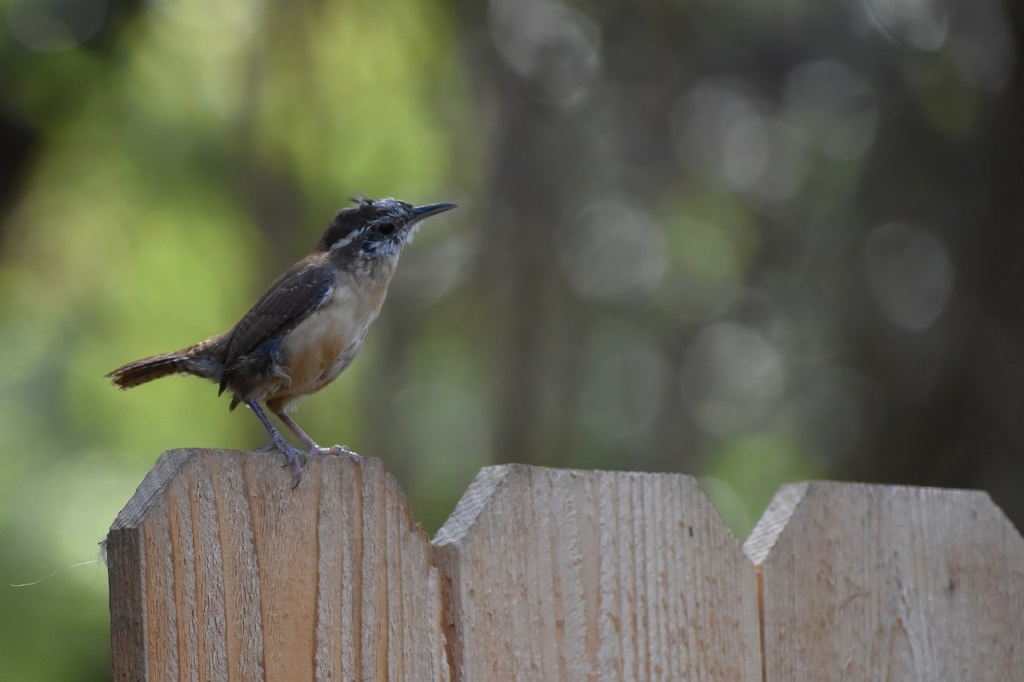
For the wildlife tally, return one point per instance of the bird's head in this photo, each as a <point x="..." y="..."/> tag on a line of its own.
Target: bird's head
<point x="374" y="229"/>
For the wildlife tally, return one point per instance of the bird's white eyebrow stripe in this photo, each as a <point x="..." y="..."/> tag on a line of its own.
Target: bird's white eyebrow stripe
<point x="341" y="243"/>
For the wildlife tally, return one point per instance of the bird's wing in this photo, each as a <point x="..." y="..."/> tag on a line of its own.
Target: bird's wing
<point x="290" y="299"/>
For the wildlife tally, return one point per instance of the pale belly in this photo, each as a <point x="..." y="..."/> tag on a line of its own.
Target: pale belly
<point x="323" y="345"/>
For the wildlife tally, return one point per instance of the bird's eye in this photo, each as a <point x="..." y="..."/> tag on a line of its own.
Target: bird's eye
<point x="386" y="229"/>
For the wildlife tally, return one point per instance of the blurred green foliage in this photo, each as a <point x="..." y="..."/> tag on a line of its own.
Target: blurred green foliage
<point x="747" y="244"/>
<point x="130" y="235"/>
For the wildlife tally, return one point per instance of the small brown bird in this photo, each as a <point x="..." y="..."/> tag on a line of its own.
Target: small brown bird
<point x="308" y="326"/>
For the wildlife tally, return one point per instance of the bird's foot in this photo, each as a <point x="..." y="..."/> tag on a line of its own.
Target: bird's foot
<point x="337" y="451"/>
<point x="293" y="457"/>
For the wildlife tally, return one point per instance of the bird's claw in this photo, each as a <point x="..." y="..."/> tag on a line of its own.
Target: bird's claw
<point x="294" y="458"/>
<point x="341" y="451"/>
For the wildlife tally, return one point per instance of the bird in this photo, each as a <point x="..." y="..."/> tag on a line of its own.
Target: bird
<point x="308" y="326"/>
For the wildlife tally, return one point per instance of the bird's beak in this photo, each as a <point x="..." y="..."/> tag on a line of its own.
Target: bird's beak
<point x="421" y="212"/>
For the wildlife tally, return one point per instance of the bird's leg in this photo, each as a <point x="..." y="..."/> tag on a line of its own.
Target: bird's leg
<point x="291" y="453"/>
<point x="311" y="445"/>
<point x="303" y="436"/>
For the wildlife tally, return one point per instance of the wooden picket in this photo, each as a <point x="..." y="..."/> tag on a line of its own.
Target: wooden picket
<point x="219" y="570"/>
<point x="872" y="582"/>
<point x="572" y="575"/>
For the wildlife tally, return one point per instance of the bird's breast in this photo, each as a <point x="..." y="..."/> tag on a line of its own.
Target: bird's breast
<point x="319" y="348"/>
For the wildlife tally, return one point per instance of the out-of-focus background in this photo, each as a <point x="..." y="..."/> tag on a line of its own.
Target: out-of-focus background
<point x="756" y="242"/>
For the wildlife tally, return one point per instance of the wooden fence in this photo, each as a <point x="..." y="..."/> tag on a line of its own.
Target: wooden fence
<point x="219" y="570"/>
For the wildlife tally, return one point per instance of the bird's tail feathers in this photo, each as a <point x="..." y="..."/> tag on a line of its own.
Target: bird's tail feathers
<point x="199" y="360"/>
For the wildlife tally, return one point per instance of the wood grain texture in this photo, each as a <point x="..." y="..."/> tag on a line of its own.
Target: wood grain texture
<point x="553" y="574"/>
<point x="865" y="582"/>
<point x="219" y="570"/>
